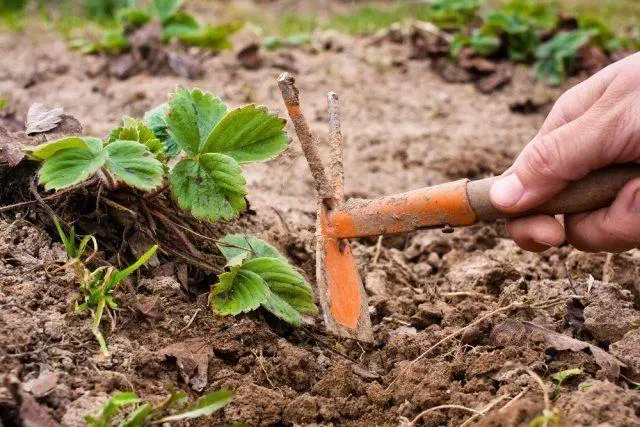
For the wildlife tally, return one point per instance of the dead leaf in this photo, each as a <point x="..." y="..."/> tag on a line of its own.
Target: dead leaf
<point x="249" y="56"/>
<point x="10" y="152"/>
<point x="192" y="358"/>
<point x="575" y="314"/>
<point x="502" y="76"/>
<point x="609" y="364"/>
<point x="42" y="385"/>
<point x="185" y="65"/>
<point x="150" y="308"/>
<point x="40" y="119"/>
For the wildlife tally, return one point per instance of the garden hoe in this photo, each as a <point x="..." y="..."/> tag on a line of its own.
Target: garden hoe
<point x="454" y="204"/>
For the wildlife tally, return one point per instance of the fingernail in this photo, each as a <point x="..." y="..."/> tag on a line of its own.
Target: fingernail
<point x="548" y="245"/>
<point x="507" y="191"/>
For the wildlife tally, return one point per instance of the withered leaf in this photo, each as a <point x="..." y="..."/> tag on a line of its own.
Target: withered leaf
<point x="40" y="119"/>
<point x="609" y="364"/>
<point x="575" y="314"/>
<point x="192" y="358"/>
<point x="10" y="152"/>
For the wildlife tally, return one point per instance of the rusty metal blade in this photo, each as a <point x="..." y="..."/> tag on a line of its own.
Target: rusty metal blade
<point x="342" y="296"/>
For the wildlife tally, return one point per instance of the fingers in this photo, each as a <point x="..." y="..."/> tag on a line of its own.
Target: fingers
<point x="612" y="229"/>
<point x="609" y="132"/>
<point x="536" y="233"/>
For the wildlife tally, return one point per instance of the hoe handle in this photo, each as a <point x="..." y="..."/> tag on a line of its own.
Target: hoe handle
<point x="465" y="202"/>
<point x="596" y="190"/>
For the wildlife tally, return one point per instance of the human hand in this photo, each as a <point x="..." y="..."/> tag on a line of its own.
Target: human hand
<point x="592" y="125"/>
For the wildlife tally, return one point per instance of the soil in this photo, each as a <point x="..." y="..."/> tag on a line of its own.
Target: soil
<point x="404" y="128"/>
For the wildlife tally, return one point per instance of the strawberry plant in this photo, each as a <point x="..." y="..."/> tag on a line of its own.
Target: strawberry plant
<point x="556" y="57"/>
<point x="208" y="181"/>
<point x="258" y="275"/>
<point x="176" y="24"/>
<point x="212" y="140"/>
<point x="129" y="408"/>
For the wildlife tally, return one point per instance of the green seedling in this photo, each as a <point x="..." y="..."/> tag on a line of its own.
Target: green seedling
<point x="547" y="418"/>
<point x="128" y="407"/>
<point x="75" y="250"/>
<point x="97" y="287"/>
<point x="562" y="376"/>
<point x="452" y="14"/>
<point x="176" y="24"/>
<point x="258" y="275"/>
<point x="555" y="58"/>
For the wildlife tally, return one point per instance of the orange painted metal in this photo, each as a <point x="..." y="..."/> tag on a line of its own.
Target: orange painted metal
<point x="343" y="281"/>
<point x="440" y="205"/>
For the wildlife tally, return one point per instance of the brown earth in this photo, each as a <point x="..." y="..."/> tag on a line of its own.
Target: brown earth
<point x="404" y="128"/>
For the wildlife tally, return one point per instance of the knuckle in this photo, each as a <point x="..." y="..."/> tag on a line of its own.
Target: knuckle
<point x="544" y="156"/>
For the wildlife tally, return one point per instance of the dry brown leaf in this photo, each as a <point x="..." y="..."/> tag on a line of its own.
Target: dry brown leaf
<point x="192" y="358"/>
<point x="609" y="364"/>
<point x="10" y="152"/>
<point x="40" y="119"/>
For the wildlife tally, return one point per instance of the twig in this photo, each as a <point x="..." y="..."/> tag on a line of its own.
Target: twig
<point x="336" y="165"/>
<point x="515" y="399"/>
<point x="49" y="197"/>
<point x="376" y="255"/>
<point x="19" y="307"/>
<point x="568" y="273"/>
<point x="607" y="269"/>
<point x="190" y="321"/>
<point x="545" y="393"/>
<point x="308" y="142"/>
<point x="435" y="408"/>
<point x="484" y="410"/>
<point x="453" y="335"/>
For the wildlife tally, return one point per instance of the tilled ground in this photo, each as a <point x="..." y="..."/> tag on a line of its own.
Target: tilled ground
<point x="404" y="128"/>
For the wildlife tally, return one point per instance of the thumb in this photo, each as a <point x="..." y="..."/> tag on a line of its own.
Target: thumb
<point x="548" y="164"/>
<point x="612" y="229"/>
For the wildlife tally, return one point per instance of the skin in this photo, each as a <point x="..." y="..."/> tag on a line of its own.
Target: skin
<point x="592" y="125"/>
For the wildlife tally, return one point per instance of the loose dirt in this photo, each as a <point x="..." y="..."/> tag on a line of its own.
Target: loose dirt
<point x="403" y="127"/>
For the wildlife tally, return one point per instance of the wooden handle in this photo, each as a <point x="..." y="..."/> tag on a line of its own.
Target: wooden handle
<point x="596" y="190"/>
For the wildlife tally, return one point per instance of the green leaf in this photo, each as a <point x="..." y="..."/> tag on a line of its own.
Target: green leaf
<point x="138" y="417"/>
<point x="70" y="166"/>
<point x="180" y="25"/>
<point x="281" y="309"/>
<point x="214" y="38"/>
<point x="134" y="17"/>
<point x="119" y="400"/>
<point x="238" y="248"/>
<point x="286" y="283"/>
<point x="44" y="151"/>
<point x="137" y="130"/>
<point x="192" y="115"/>
<point x="459" y="42"/>
<point x="248" y="134"/>
<point x="484" y="44"/>
<point x="164" y="9"/>
<point x="156" y="119"/>
<point x="132" y="163"/>
<point x="238" y="292"/>
<point x="119" y="276"/>
<point x="556" y="57"/>
<point x="114" y="41"/>
<point x="206" y="405"/>
<point x="213" y="188"/>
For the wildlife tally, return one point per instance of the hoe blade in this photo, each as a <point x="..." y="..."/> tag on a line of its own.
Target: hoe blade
<point x="342" y="296"/>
